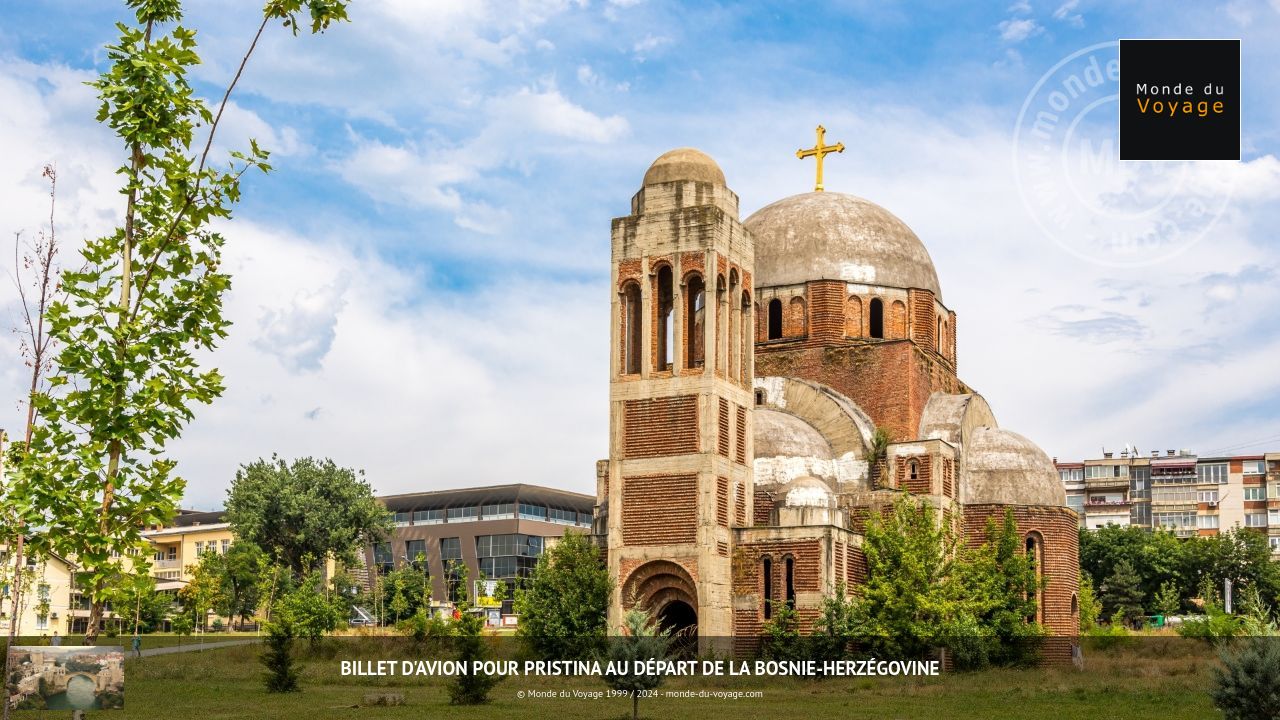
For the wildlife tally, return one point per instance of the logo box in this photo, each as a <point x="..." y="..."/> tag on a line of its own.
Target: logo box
<point x="1180" y="99"/>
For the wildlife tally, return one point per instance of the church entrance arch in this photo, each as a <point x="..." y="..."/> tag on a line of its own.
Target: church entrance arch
<point x="667" y="592"/>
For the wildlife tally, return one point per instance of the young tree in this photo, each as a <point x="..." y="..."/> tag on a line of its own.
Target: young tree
<point x="1167" y="600"/>
<point x="302" y="512"/>
<point x="641" y="641"/>
<point x="911" y="594"/>
<point x="782" y="639"/>
<point x="1246" y="681"/>
<point x="563" y="606"/>
<point x="35" y="275"/>
<point x="836" y="627"/>
<point x="136" y="601"/>
<point x="311" y="612"/>
<point x="1122" y="593"/>
<point x="146" y="302"/>
<point x="471" y="687"/>
<point x="282" y="672"/>
<point x="999" y="587"/>
<point x="1088" y="603"/>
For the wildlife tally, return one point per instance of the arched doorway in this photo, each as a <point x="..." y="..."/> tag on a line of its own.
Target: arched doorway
<point x="666" y="591"/>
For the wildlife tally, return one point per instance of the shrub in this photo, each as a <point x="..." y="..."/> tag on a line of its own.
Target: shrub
<point x="471" y="688"/>
<point x="282" y="672"/>
<point x="1247" y="685"/>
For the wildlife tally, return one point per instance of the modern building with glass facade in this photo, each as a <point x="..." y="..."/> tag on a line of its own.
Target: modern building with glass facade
<point x="498" y="532"/>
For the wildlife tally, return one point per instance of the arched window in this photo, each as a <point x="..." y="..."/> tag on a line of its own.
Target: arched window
<point x="1035" y="555"/>
<point x="913" y="468"/>
<point x="938" y="338"/>
<point x="747" y="322"/>
<point x="775" y="319"/>
<point x="696" y="321"/>
<point x="729" y="319"/>
<point x="631" y="323"/>
<point x="791" y="582"/>
<point x="877" y="318"/>
<point x="666" y="330"/>
<point x="766" y="572"/>
<point x="897" y="320"/>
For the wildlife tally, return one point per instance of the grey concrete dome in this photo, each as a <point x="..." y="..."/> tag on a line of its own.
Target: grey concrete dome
<point x="806" y="491"/>
<point x="1005" y="468"/>
<point x="833" y="236"/>
<point x="781" y="434"/>
<point x="684" y="164"/>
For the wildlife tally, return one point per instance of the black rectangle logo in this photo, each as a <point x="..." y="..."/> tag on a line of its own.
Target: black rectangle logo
<point x="1179" y="99"/>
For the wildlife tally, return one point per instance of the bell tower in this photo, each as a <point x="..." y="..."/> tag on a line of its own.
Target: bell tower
<point x="681" y="366"/>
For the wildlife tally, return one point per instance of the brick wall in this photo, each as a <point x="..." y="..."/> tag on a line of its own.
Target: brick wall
<point x="660" y="426"/>
<point x="649" y="515"/>
<point x="891" y="381"/>
<point x="922" y="484"/>
<point x="748" y="579"/>
<point x="1059" y="529"/>
<point x="826" y="309"/>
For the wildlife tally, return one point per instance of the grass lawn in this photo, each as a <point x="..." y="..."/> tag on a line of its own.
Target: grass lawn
<point x="1143" y="680"/>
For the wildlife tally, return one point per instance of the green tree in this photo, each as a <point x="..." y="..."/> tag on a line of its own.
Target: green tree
<point x="310" y="611"/>
<point x="282" y="671"/>
<point x="1000" y="588"/>
<point x="1246" y="681"/>
<point x="1088" y="604"/>
<point x="302" y="512"/>
<point x="144" y="304"/>
<point x="240" y="580"/>
<point x="781" y="633"/>
<point x="203" y="591"/>
<point x="562" y="607"/>
<point x="135" y="599"/>
<point x="1168" y="601"/>
<point x="470" y="687"/>
<point x="641" y="641"/>
<point x="1122" y="592"/>
<point x="836" y="627"/>
<point x="911" y="593"/>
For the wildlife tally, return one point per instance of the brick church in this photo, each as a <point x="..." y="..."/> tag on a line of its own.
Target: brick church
<point x="751" y="364"/>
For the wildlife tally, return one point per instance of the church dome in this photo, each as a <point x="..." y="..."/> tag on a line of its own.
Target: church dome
<point x="807" y="491"/>
<point x="684" y="164"/>
<point x="833" y="236"/>
<point x="781" y="434"/>
<point x="1005" y="468"/>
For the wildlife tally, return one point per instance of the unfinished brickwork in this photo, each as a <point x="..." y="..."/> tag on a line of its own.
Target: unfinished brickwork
<point x="680" y="435"/>
<point x="847" y="333"/>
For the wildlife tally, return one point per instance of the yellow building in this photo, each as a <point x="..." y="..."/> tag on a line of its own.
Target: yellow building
<point x="178" y="546"/>
<point x="47" y="597"/>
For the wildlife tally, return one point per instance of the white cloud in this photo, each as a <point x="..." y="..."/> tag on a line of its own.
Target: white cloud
<point x="1066" y="13"/>
<point x="1019" y="29"/>
<point x="300" y="334"/>
<point x="646" y="46"/>
<point x="517" y="126"/>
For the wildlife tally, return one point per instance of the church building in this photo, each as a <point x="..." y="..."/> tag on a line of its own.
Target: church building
<point x="752" y="364"/>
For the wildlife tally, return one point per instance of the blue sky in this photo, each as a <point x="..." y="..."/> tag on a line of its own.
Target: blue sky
<point x="420" y="287"/>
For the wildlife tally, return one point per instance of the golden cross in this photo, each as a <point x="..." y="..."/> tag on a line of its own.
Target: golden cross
<point x="819" y="150"/>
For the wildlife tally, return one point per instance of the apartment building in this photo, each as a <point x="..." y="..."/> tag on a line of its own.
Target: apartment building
<point x="1176" y="490"/>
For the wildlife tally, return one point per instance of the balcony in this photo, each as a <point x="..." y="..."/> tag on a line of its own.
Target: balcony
<point x="1107" y="482"/>
<point x="167" y="564"/>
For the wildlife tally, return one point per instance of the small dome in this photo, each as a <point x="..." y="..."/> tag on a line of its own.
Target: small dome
<point x="781" y="434"/>
<point x="1005" y="468"/>
<point x="807" y="491"/>
<point x="684" y="164"/>
<point x="833" y="236"/>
